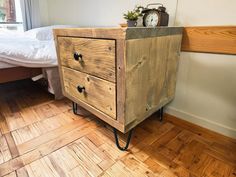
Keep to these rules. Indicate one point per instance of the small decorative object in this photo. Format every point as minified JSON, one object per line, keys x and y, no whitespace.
{"x":131,"y":17}
{"x":156,"y":16}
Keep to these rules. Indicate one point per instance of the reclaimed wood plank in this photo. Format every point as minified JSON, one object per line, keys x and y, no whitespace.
{"x":102,"y":33}
{"x":98,"y":56}
{"x":147,"y":60}
{"x":98,"y":93}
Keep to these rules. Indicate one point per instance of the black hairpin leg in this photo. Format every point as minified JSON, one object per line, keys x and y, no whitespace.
{"x":75,"y":108}
{"x":161,"y":113}
{"x":127,"y":143}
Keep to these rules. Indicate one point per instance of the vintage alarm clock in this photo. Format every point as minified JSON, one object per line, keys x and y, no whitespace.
{"x":155,"y":17}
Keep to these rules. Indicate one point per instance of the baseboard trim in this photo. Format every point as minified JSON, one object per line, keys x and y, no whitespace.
{"x":202,"y":122}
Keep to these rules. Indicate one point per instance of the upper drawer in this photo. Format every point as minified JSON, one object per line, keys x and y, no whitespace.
{"x":92,"y":56}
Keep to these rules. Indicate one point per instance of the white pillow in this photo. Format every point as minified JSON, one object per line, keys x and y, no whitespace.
{"x":44,"y":33}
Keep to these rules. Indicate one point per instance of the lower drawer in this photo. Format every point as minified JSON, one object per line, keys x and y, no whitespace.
{"x":94,"y":91}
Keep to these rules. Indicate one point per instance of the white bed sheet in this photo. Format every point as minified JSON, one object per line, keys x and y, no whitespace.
{"x":22,"y":50}
{"x":4,"y":65}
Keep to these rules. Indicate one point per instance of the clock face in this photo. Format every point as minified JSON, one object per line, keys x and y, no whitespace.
{"x":151,"y":19}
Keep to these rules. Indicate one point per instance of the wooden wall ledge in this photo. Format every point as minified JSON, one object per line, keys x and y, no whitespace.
{"x":210,"y":39}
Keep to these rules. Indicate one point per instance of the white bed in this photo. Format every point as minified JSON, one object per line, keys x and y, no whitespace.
{"x":34,"y":48}
{"x":4,"y":65}
{"x":31,"y":49}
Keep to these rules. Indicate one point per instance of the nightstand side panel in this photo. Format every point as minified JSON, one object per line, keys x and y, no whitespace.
{"x":151,"y":69}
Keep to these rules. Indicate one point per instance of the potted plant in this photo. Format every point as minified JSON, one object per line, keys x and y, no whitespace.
{"x":131,"y":17}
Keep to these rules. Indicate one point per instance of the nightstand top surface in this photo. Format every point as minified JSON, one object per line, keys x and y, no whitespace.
{"x":118,"y":32}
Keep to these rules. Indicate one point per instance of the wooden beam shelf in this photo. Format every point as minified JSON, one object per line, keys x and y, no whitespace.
{"x":210,"y":39}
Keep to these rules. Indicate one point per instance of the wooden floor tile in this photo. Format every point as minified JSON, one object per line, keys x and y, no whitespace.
{"x":13,"y":174}
{"x":5,"y":154}
{"x":40,"y":136}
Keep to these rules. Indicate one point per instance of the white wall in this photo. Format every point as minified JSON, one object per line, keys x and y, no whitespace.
{"x":206,"y":85}
{"x":206,"y":12}
{"x":96,"y":12}
{"x":43,"y":7}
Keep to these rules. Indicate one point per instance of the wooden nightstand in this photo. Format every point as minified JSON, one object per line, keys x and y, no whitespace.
{"x":122,"y":75}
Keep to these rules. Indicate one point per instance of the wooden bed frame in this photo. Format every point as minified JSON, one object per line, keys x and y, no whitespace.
{"x":18,"y":73}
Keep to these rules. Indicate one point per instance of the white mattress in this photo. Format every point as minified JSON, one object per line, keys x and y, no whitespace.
{"x":4,"y":65}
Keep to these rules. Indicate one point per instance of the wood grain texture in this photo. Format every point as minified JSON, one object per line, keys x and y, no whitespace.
{"x":215,"y":39}
{"x":18,"y":73}
{"x":148,"y":32}
{"x":5,"y":154}
{"x":144,"y":69}
{"x":151,"y":68}
{"x":151,"y":62}
{"x":172,"y":66}
{"x":47,"y":136}
{"x":120,"y":79}
{"x":12,"y":145}
{"x":98,"y":93}
{"x":118,"y":33}
{"x":205,"y":133}
{"x":13,"y":174}
{"x":63,"y":144}
{"x":102,"y":33}
{"x":103,"y":116}
{"x":98,"y":56}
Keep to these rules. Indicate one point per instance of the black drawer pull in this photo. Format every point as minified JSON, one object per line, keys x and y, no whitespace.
{"x":80,"y":89}
{"x":78,"y":56}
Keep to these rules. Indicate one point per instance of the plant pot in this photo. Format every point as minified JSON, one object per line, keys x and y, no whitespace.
{"x":132,"y":23}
